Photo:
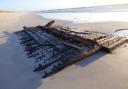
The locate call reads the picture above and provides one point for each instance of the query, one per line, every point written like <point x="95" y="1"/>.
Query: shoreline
<point x="51" y="19"/>
<point x="105" y="26"/>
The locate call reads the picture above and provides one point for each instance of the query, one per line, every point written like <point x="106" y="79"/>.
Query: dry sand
<point x="106" y="27"/>
<point x="100" y="71"/>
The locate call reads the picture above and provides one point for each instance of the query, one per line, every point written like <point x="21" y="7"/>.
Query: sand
<point x="100" y="71"/>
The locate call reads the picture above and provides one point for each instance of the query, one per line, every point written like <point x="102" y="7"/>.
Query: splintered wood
<point x="55" y="48"/>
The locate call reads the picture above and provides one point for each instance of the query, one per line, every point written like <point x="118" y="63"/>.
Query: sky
<point x="36" y="5"/>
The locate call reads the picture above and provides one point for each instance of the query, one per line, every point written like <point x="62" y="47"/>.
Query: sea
<point x="85" y="17"/>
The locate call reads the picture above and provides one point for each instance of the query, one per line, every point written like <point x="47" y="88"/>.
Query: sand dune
<point x="100" y="71"/>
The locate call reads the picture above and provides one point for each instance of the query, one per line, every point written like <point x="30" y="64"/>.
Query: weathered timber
<point x="69" y="38"/>
<point x="104" y="40"/>
<point x="65" y="63"/>
<point x="48" y="38"/>
<point x="84" y="54"/>
<point x="62" y="54"/>
<point x="49" y="24"/>
<point x="56" y="48"/>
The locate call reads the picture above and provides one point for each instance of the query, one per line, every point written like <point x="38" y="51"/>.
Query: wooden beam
<point x="49" y="24"/>
<point x="83" y="54"/>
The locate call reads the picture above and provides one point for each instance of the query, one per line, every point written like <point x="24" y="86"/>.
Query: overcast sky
<point x="32" y="5"/>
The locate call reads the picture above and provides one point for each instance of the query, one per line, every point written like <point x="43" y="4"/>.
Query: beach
<point x="100" y="71"/>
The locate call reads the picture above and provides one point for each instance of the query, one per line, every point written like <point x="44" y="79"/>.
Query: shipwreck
<point x="56" y="47"/>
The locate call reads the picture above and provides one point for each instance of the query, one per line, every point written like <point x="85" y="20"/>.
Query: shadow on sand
<point x="15" y="68"/>
<point x="91" y="59"/>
